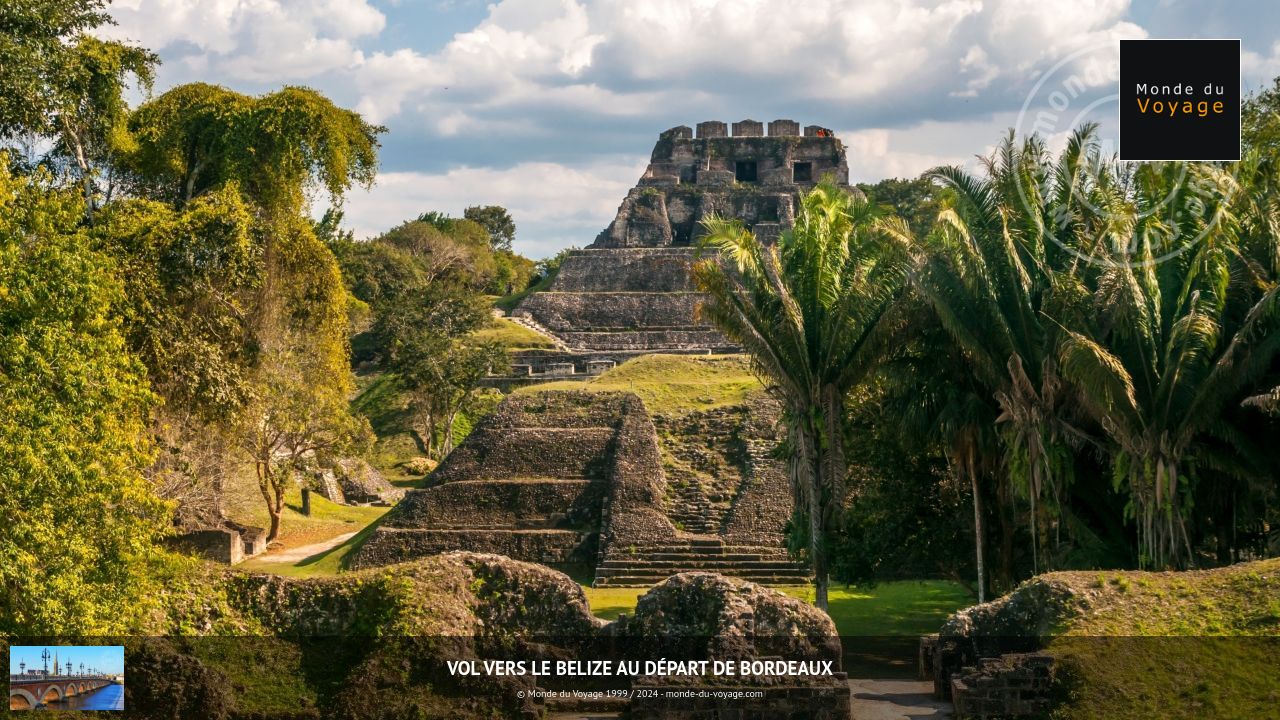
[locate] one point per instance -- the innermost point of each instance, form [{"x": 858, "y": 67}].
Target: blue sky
[
  {"x": 550, "y": 107},
  {"x": 108, "y": 659}
]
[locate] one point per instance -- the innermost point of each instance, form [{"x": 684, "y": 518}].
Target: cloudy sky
[{"x": 550, "y": 107}]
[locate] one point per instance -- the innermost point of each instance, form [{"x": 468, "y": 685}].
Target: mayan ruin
[
  {"x": 629, "y": 292},
  {"x": 583, "y": 480},
  {"x": 381, "y": 360}
]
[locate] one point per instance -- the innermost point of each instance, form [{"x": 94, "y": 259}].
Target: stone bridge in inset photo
[{"x": 48, "y": 691}]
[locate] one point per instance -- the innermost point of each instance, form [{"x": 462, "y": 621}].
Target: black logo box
[{"x": 1186, "y": 65}]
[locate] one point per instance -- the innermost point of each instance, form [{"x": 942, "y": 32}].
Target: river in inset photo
[{"x": 110, "y": 697}]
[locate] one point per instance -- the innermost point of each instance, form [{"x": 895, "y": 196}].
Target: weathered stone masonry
[
  {"x": 631, "y": 290},
  {"x": 569, "y": 478}
]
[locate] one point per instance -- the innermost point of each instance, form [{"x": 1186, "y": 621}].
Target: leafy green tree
[
  {"x": 88, "y": 106},
  {"x": 35, "y": 35},
  {"x": 906, "y": 515},
  {"x": 512, "y": 273},
  {"x": 815, "y": 313},
  {"x": 427, "y": 339},
  {"x": 993, "y": 265},
  {"x": 63, "y": 85},
  {"x": 330, "y": 231},
  {"x": 1165, "y": 357},
  {"x": 917, "y": 201},
  {"x": 296, "y": 411},
  {"x": 80, "y": 521},
  {"x": 277, "y": 147},
  {"x": 283, "y": 324},
  {"x": 496, "y": 221},
  {"x": 937, "y": 409},
  {"x": 191, "y": 278}
]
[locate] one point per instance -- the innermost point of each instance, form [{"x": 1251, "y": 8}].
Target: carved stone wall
[
  {"x": 537, "y": 480},
  {"x": 631, "y": 290}
]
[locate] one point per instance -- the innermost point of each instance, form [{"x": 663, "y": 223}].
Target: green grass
[
  {"x": 326, "y": 520},
  {"x": 378, "y": 399},
  {"x": 674, "y": 384},
  {"x": 1134, "y": 645},
  {"x": 512, "y": 336},
  {"x": 510, "y": 302},
  {"x": 904, "y": 608},
  {"x": 324, "y": 564}
]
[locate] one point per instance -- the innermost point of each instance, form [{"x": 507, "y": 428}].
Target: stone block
[
  {"x": 784, "y": 128},
  {"x": 748, "y": 128},
  {"x": 217, "y": 544},
  {"x": 559, "y": 369},
  {"x": 596, "y": 367},
  {"x": 715, "y": 178},
  {"x": 712, "y": 129},
  {"x": 817, "y": 131},
  {"x": 777, "y": 176},
  {"x": 679, "y": 132}
]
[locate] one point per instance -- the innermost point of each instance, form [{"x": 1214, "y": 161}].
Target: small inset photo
[{"x": 66, "y": 677}]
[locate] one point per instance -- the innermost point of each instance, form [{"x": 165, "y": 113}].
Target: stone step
[
  {"x": 714, "y": 549},
  {"x": 763, "y": 568},
  {"x": 625, "y": 557},
  {"x": 636, "y": 581},
  {"x": 562, "y": 480}
]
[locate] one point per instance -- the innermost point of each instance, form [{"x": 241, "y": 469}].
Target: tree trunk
[
  {"x": 977, "y": 524},
  {"x": 276, "y": 511},
  {"x": 446, "y": 443},
  {"x": 272, "y": 493},
  {"x": 817, "y": 550},
  {"x": 82, "y": 162},
  {"x": 806, "y": 468}
]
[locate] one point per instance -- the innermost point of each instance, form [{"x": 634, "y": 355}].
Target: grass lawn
[
  {"x": 674, "y": 384},
  {"x": 324, "y": 564},
  {"x": 327, "y": 519},
  {"x": 906, "y": 608},
  {"x": 378, "y": 399},
  {"x": 513, "y": 336}
]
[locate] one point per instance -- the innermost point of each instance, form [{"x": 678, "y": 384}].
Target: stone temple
[
  {"x": 577, "y": 480},
  {"x": 590, "y": 481},
  {"x": 630, "y": 292}
]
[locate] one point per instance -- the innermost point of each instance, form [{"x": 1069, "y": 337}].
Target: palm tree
[
  {"x": 934, "y": 403},
  {"x": 1171, "y": 347},
  {"x": 994, "y": 263},
  {"x": 814, "y": 312}
]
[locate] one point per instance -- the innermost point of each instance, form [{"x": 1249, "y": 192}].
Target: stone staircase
[
  {"x": 651, "y": 564},
  {"x": 526, "y": 321},
  {"x": 692, "y": 512}
]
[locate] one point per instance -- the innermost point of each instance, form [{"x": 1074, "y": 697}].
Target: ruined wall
[
  {"x": 537, "y": 480},
  {"x": 631, "y": 289},
  {"x": 633, "y": 512},
  {"x": 556, "y": 549},
  {"x": 625, "y": 270},
  {"x": 747, "y": 175},
  {"x": 529, "y": 504},
  {"x": 650, "y": 340},
  {"x": 569, "y": 311}
]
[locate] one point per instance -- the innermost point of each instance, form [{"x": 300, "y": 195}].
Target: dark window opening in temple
[
  {"x": 745, "y": 171},
  {"x": 802, "y": 172}
]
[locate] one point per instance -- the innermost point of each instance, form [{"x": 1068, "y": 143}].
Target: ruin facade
[
  {"x": 630, "y": 291},
  {"x": 577, "y": 480}
]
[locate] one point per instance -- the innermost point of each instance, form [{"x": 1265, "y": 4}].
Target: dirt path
[
  {"x": 896, "y": 700},
  {"x": 296, "y": 555}
]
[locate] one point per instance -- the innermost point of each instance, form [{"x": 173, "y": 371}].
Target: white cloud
[
  {"x": 916, "y": 83},
  {"x": 553, "y": 205},
  {"x": 642, "y": 54},
  {"x": 250, "y": 40}
]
